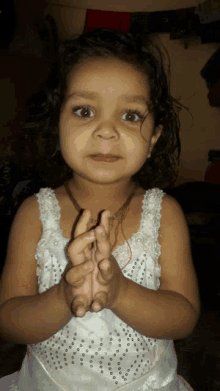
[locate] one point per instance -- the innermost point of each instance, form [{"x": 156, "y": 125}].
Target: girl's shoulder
[
  {"x": 28, "y": 214},
  {"x": 29, "y": 210}
]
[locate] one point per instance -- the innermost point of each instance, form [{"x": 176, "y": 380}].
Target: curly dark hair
[{"x": 38, "y": 154}]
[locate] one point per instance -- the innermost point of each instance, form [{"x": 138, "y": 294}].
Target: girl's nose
[{"x": 106, "y": 130}]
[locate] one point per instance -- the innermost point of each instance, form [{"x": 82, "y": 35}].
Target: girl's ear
[
  {"x": 155, "y": 138},
  {"x": 158, "y": 133}
]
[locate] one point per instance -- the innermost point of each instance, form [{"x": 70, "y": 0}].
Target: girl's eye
[
  {"x": 133, "y": 116},
  {"x": 84, "y": 111},
  {"x": 129, "y": 115}
]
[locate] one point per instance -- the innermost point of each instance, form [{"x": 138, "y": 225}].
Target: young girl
[{"x": 99, "y": 307}]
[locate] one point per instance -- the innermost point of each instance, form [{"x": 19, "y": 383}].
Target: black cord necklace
[{"x": 119, "y": 215}]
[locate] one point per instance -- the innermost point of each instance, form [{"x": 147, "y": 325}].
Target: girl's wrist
[
  {"x": 63, "y": 295},
  {"x": 121, "y": 297}
]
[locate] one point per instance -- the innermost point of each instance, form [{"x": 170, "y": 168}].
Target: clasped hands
[{"x": 93, "y": 276}]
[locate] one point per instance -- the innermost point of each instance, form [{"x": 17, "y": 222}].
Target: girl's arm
[
  {"x": 33, "y": 319},
  {"x": 27, "y": 317},
  {"x": 171, "y": 312},
  {"x": 156, "y": 314}
]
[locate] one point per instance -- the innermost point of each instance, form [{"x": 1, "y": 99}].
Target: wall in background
[
  {"x": 128, "y": 5},
  {"x": 202, "y": 133},
  {"x": 70, "y": 14}
]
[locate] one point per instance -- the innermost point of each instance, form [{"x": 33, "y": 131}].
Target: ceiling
[{"x": 128, "y": 5}]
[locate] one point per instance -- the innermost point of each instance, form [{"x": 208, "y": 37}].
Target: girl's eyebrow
[{"x": 94, "y": 95}]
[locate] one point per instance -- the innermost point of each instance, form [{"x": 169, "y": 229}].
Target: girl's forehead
[
  {"x": 102, "y": 63},
  {"x": 107, "y": 70}
]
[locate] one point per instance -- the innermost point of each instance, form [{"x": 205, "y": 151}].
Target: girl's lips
[
  {"x": 104, "y": 158},
  {"x": 105, "y": 155}
]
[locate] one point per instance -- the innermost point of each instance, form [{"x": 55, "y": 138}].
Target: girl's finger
[
  {"x": 103, "y": 244},
  {"x": 83, "y": 223},
  {"x": 80, "y": 305},
  {"x": 75, "y": 275},
  {"x": 80, "y": 312},
  {"x": 88, "y": 252},
  {"x": 99, "y": 301},
  {"x": 105, "y": 221},
  {"x": 76, "y": 249},
  {"x": 106, "y": 270},
  {"x": 104, "y": 275}
]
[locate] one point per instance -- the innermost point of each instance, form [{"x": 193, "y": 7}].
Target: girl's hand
[
  {"x": 108, "y": 282},
  {"x": 78, "y": 279}
]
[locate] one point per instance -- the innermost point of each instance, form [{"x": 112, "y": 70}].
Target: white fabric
[{"x": 99, "y": 352}]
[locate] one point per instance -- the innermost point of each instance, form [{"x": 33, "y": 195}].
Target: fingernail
[
  {"x": 105, "y": 265},
  {"x": 80, "y": 312},
  {"x": 97, "y": 307}
]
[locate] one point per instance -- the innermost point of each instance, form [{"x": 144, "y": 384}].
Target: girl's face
[{"x": 105, "y": 101}]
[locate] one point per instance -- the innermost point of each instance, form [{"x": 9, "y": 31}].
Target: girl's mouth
[{"x": 103, "y": 158}]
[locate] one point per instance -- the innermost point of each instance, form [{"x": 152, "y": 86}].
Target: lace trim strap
[
  {"x": 49, "y": 209},
  {"x": 152, "y": 208}
]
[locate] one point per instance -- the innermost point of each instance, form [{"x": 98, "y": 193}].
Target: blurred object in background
[
  {"x": 211, "y": 73},
  {"x": 8, "y": 22},
  {"x": 35, "y": 33},
  {"x": 212, "y": 174},
  {"x": 26, "y": 55}
]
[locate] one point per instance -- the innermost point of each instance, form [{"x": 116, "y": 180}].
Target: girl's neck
[{"x": 99, "y": 197}]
